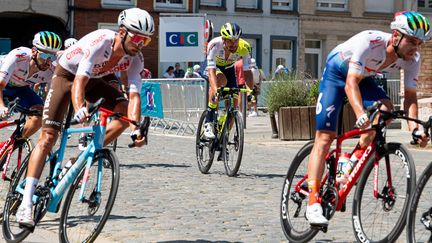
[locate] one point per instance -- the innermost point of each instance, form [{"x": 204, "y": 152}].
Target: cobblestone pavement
[{"x": 164, "y": 198}]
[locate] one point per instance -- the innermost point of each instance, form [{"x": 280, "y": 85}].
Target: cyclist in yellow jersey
[{"x": 222, "y": 53}]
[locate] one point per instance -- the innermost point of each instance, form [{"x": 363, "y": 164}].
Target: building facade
[{"x": 271, "y": 27}]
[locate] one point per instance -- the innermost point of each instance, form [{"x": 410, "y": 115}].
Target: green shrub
[{"x": 291, "y": 90}]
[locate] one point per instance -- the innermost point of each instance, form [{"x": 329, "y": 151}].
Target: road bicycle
[
  {"x": 92, "y": 181},
  {"x": 229, "y": 134},
  {"x": 419, "y": 220},
  {"x": 384, "y": 177},
  {"x": 16, "y": 148}
]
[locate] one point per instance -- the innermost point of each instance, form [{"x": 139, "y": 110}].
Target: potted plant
[{"x": 293, "y": 98}]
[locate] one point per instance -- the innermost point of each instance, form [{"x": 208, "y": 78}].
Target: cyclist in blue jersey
[{"x": 349, "y": 71}]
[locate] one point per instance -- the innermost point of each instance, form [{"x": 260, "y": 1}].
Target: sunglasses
[
  {"x": 139, "y": 39},
  {"x": 46, "y": 56}
]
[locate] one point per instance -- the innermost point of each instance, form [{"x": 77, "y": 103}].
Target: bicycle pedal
[
  {"x": 28, "y": 228},
  {"x": 323, "y": 228}
]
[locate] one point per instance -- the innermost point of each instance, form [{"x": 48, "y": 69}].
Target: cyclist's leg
[
  {"x": 114, "y": 100},
  {"x": 53, "y": 113},
  {"x": 213, "y": 104},
  {"x": 371, "y": 93},
  {"x": 231, "y": 82},
  {"x": 30, "y": 100}
]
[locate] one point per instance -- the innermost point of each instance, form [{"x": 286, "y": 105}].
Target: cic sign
[{"x": 181, "y": 38}]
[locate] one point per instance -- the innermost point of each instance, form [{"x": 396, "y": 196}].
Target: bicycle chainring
[{"x": 329, "y": 201}]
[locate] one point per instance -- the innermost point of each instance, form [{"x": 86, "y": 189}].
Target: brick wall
[
  {"x": 88, "y": 13},
  {"x": 424, "y": 86}
]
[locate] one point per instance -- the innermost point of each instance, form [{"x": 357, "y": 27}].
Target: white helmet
[
  {"x": 137, "y": 20},
  {"x": 196, "y": 67},
  {"x": 253, "y": 62},
  {"x": 412, "y": 24},
  {"x": 280, "y": 67},
  {"x": 69, "y": 42}
]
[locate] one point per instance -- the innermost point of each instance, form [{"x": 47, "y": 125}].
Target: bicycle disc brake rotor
[
  {"x": 94, "y": 202},
  {"x": 426, "y": 219},
  {"x": 329, "y": 201},
  {"x": 388, "y": 200}
]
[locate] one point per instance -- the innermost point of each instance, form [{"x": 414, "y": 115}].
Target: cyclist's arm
[
  {"x": 78, "y": 91},
  {"x": 212, "y": 79},
  {"x": 352, "y": 91},
  {"x": 411, "y": 107},
  {"x": 134, "y": 108}
]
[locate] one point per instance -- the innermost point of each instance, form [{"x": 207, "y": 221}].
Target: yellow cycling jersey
[{"x": 216, "y": 54}]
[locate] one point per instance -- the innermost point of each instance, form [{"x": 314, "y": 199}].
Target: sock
[
  {"x": 211, "y": 112},
  {"x": 29, "y": 190},
  {"x": 313, "y": 186}
]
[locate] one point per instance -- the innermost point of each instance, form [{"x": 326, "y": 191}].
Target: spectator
[
  {"x": 258, "y": 76},
  {"x": 169, "y": 73},
  {"x": 190, "y": 73},
  {"x": 178, "y": 73},
  {"x": 280, "y": 72}
]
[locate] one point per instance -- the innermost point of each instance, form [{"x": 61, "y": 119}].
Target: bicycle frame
[
  {"x": 9, "y": 145},
  {"x": 356, "y": 171},
  {"x": 58, "y": 188}
]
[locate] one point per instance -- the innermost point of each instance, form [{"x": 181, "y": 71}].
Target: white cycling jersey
[
  {"x": 91, "y": 53},
  {"x": 15, "y": 68},
  {"x": 366, "y": 52},
  {"x": 216, "y": 54}
]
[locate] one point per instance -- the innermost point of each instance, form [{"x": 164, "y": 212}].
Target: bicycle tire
[
  {"x": 416, "y": 231},
  {"x": 11, "y": 231},
  {"x": 234, "y": 145},
  {"x": 205, "y": 150},
  {"x": 294, "y": 229},
  {"x": 68, "y": 229},
  {"x": 26, "y": 147},
  {"x": 365, "y": 228}
]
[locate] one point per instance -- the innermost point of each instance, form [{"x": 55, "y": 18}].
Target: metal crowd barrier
[{"x": 183, "y": 101}]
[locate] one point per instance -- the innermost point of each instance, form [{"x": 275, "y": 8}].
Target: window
[
  {"x": 333, "y": 5},
  {"x": 212, "y": 3},
  {"x": 425, "y": 4},
  {"x": 253, "y": 44},
  {"x": 247, "y": 4},
  {"x": 171, "y": 3},
  {"x": 282, "y": 5},
  {"x": 110, "y": 26},
  {"x": 118, "y": 3},
  {"x": 313, "y": 58},
  {"x": 281, "y": 54},
  {"x": 382, "y": 6}
]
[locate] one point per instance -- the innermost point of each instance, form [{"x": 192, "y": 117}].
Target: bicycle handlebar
[
  {"x": 143, "y": 128},
  {"x": 93, "y": 108},
  {"x": 15, "y": 106},
  {"x": 373, "y": 111}
]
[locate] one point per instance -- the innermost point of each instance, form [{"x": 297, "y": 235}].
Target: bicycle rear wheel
[
  {"x": 293, "y": 204},
  {"x": 205, "y": 150},
  {"x": 82, "y": 221},
  {"x": 232, "y": 148},
  {"x": 419, "y": 228},
  {"x": 382, "y": 219},
  {"x": 22, "y": 148},
  {"x": 11, "y": 230}
]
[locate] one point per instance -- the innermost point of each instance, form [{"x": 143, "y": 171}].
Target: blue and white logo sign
[{"x": 182, "y": 38}]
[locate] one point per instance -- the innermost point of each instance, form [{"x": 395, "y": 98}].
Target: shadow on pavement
[
  {"x": 144, "y": 166},
  {"x": 198, "y": 241},
  {"x": 269, "y": 176}
]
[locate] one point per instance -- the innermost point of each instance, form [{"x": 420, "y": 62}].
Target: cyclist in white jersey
[
  {"x": 23, "y": 67},
  {"x": 80, "y": 75},
  {"x": 349, "y": 70}
]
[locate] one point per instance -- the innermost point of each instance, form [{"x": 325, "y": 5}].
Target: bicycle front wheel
[
  {"x": 83, "y": 220},
  {"x": 204, "y": 147},
  {"x": 382, "y": 218},
  {"x": 12, "y": 232},
  {"x": 419, "y": 228},
  {"x": 232, "y": 148},
  {"x": 293, "y": 203},
  {"x": 22, "y": 148}
]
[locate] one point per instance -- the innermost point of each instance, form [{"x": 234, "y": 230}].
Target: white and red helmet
[{"x": 137, "y": 20}]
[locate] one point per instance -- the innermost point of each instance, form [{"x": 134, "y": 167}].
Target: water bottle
[{"x": 344, "y": 160}]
